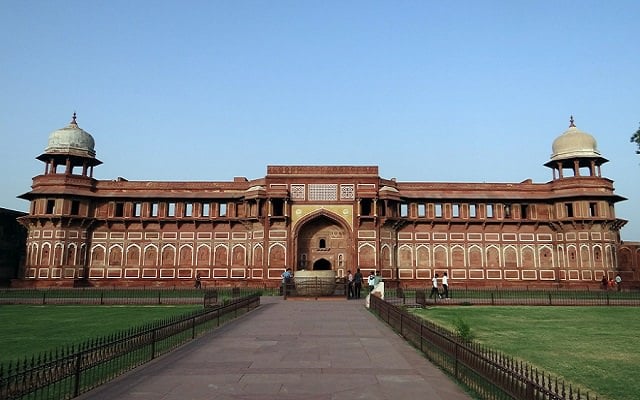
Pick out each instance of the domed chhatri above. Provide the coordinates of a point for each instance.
(71, 140)
(574, 143)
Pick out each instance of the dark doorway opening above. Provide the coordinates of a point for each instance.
(322, 265)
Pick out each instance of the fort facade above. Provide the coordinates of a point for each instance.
(86, 231)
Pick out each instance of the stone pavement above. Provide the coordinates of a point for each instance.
(290, 349)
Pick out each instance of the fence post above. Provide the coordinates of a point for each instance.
(102, 298)
(159, 301)
(76, 386)
(549, 298)
(44, 298)
(529, 395)
(153, 344)
(455, 373)
(492, 301)
(421, 325)
(193, 327)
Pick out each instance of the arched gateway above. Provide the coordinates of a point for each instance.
(323, 243)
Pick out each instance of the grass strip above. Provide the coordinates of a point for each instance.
(30, 330)
(592, 347)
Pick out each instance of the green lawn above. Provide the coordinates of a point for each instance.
(29, 330)
(596, 348)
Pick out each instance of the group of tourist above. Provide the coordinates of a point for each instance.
(611, 284)
(355, 281)
(435, 289)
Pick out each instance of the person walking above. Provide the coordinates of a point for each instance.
(198, 283)
(350, 291)
(604, 282)
(371, 281)
(445, 286)
(357, 283)
(287, 275)
(618, 282)
(435, 293)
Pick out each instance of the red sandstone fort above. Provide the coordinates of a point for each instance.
(246, 232)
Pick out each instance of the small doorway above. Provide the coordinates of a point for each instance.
(322, 265)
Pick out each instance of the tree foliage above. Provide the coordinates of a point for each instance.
(636, 139)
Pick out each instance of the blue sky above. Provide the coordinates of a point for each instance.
(456, 91)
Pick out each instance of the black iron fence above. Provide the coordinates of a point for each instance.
(490, 374)
(501, 296)
(121, 296)
(68, 372)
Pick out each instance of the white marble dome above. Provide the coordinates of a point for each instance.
(574, 143)
(71, 140)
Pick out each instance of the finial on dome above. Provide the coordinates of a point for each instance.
(73, 119)
(571, 124)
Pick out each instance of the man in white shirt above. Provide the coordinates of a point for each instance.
(371, 281)
(445, 286)
(434, 288)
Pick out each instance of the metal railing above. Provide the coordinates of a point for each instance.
(529, 297)
(68, 372)
(120, 296)
(488, 373)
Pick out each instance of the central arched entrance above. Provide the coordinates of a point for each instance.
(323, 243)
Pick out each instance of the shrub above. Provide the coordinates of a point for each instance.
(463, 330)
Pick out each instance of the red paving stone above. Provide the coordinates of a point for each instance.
(290, 349)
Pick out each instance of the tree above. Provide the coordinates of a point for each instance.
(636, 139)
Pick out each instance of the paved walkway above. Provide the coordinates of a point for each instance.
(290, 349)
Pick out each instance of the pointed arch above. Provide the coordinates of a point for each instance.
(72, 254)
(493, 257)
(258, 256)
(366, 255)
(83, 255)
(528, 259)
(34, 254)
(221, 255)
(328, 230)
(611, 256)
(423, 256)
(458, 256)
(510, 256)
(203, 257)
(545, 256)
(133, 255)
(385, 256)
(115, 255)
(440, 256)
(598, 256)
(475, 256)
(585, 256)
(277, 255)
(185, 257)
(168, 255)
(561, 257)
(405, 256)
(151, 254)
(318, 214)
(58, 252)
(239, 254)
(98, 254)
(572, 256)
